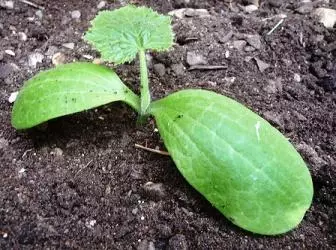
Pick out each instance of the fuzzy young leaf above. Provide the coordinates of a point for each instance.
(119, 34)
(245, 167)
(68, 89)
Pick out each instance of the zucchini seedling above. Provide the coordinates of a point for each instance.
(241, 164)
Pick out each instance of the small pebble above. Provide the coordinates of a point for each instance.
(155, 191)
(305, 8)
(250, 8)
(9, 52)
(101, 5)
(76, 14)
(261, 65)
(249, 49)
(97, 61)
(188, 12)
(22, 36)
(254, 40)
(159, 69)
(239, 44)
(12, 97)
(58, 58)
(274, 86)
(195, 59)
(7, 4)
(90, 224)
(39, 14)
(326, 16)
(57, 152)
(3, 143)
(178, 69)
(68, 45)
(196, 12)
(311, 154)
(89, 57)
(135, 211)
(297, 77)
(34, 59)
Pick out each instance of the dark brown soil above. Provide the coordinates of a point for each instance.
(78, 181)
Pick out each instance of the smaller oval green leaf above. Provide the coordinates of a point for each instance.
(119, 34)
(245, 167)
(68, 89)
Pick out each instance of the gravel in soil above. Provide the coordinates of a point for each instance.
(79, 182)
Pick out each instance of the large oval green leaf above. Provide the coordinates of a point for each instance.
(245, 167)
(68, 89)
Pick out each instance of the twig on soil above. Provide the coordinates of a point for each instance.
(152, 150)
(32, 4)
(207, 67)
(88, 164)
(275, 27)
(25, 152)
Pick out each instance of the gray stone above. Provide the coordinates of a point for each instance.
(254, 40)
(178, 69)
(3, 143)
(249, 49)
(274, 86)
(39, 14)
(159, 69)
(22, 36)
(188, 12)
(146, 245)
(13, 96)
(274, 118)
(195, 59)
(7, 4)
(305, 8)
(101, 5)
(34, 59)
(297, 77)
(57, 152)
(326, 16)
(154, 191)
(311, 154)
(76, 14)
(178, 242)
(196, 12)
(250, 8)
(68, 45)
(10, 52)
(261, 65)
(58, 58)
(239, 44)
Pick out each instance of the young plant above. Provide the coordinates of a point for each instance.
(242, 165)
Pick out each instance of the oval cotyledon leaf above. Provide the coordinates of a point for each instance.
(245, 167)
(68, 89)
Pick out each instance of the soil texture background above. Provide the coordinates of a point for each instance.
(78, 182)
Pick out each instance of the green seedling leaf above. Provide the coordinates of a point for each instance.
(68, 89)
(245, 167)
(118, 35)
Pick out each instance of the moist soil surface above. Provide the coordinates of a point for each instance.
(78, 182)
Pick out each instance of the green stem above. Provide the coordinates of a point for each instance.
(144, 88)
